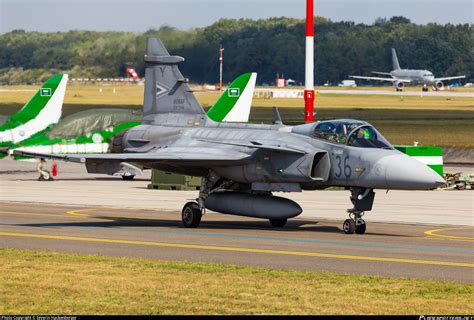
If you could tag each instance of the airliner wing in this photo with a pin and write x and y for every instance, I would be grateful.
(449, 78)
(380, 79)
(384, 73)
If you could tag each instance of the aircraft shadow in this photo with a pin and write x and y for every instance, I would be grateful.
(16, 172)
(86, 179)
(292, 225)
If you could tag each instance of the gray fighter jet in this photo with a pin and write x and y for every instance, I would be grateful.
(242, 164)
(401, 77)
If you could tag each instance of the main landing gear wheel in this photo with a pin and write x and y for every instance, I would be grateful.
(45, 176)
(349, 226)
(278, 223)
(128, 178)
(191, 215)
(360, 226)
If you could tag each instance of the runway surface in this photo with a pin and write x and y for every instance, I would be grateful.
(74, 186)
(409, 234)
(305, 244)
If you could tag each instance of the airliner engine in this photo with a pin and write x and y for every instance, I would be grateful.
(399, 85)
(438, 85)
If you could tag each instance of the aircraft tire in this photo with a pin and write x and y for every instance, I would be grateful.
(128, 178)
(349, 226)
(360, 229)
(191, 215)
(278, 223)
(461, 186)
(45, 177)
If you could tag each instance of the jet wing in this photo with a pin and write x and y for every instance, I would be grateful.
(257, 145)
(380, 79)
(197, 156)
(449, 78)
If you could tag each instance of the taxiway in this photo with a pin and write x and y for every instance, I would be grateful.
(410, 234)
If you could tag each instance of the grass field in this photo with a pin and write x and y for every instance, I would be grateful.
(133, 95)
(428, 120)
(52, 283)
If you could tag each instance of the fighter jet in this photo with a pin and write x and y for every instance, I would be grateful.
(241, 164)
(400, 77)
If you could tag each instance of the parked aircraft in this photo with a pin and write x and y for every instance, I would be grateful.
(401, 77)
(92, 131)
(43, 109)
(242, 164)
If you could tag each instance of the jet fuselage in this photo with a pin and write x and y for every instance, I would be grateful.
(288, 158)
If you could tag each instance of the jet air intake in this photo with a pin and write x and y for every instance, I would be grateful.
(252, 205)
(438, 85)
(399, 85)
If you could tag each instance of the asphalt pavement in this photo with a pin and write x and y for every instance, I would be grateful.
(426, 235)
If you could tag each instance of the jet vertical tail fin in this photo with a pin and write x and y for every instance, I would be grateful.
(235, 103)
(43, 109)
(396, 65)
(168, 98)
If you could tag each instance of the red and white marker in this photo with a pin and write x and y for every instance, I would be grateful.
(220, 67)
(131, 72)
(309, 65)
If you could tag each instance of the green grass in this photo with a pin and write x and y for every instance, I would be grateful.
(124, 94)
(52, 283)
(447, 128)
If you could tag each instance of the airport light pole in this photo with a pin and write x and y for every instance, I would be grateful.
(309, 64)
(220, 67)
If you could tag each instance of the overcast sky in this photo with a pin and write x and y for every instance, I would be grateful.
(140, 15)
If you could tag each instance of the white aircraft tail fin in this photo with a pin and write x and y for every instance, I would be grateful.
(43, 109)
(396, 65)
(235, 103)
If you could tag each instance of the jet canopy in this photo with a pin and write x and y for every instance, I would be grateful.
(353, 133)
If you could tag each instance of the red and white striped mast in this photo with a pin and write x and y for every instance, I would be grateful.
(220, 67)
(309, 65)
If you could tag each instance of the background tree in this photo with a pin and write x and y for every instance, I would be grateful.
(266, 46)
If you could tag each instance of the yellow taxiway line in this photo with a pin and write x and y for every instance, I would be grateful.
(82, 215)
(237, 249)
(434, 233)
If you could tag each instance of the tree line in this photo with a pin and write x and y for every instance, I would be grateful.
(268, 46)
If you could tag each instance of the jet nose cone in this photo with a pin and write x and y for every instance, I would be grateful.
(406, 173)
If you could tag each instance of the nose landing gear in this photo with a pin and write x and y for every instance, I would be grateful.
(362, 199)
(355, 223)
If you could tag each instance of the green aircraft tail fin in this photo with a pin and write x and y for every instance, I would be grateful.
(234, 104)
(43, 109)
